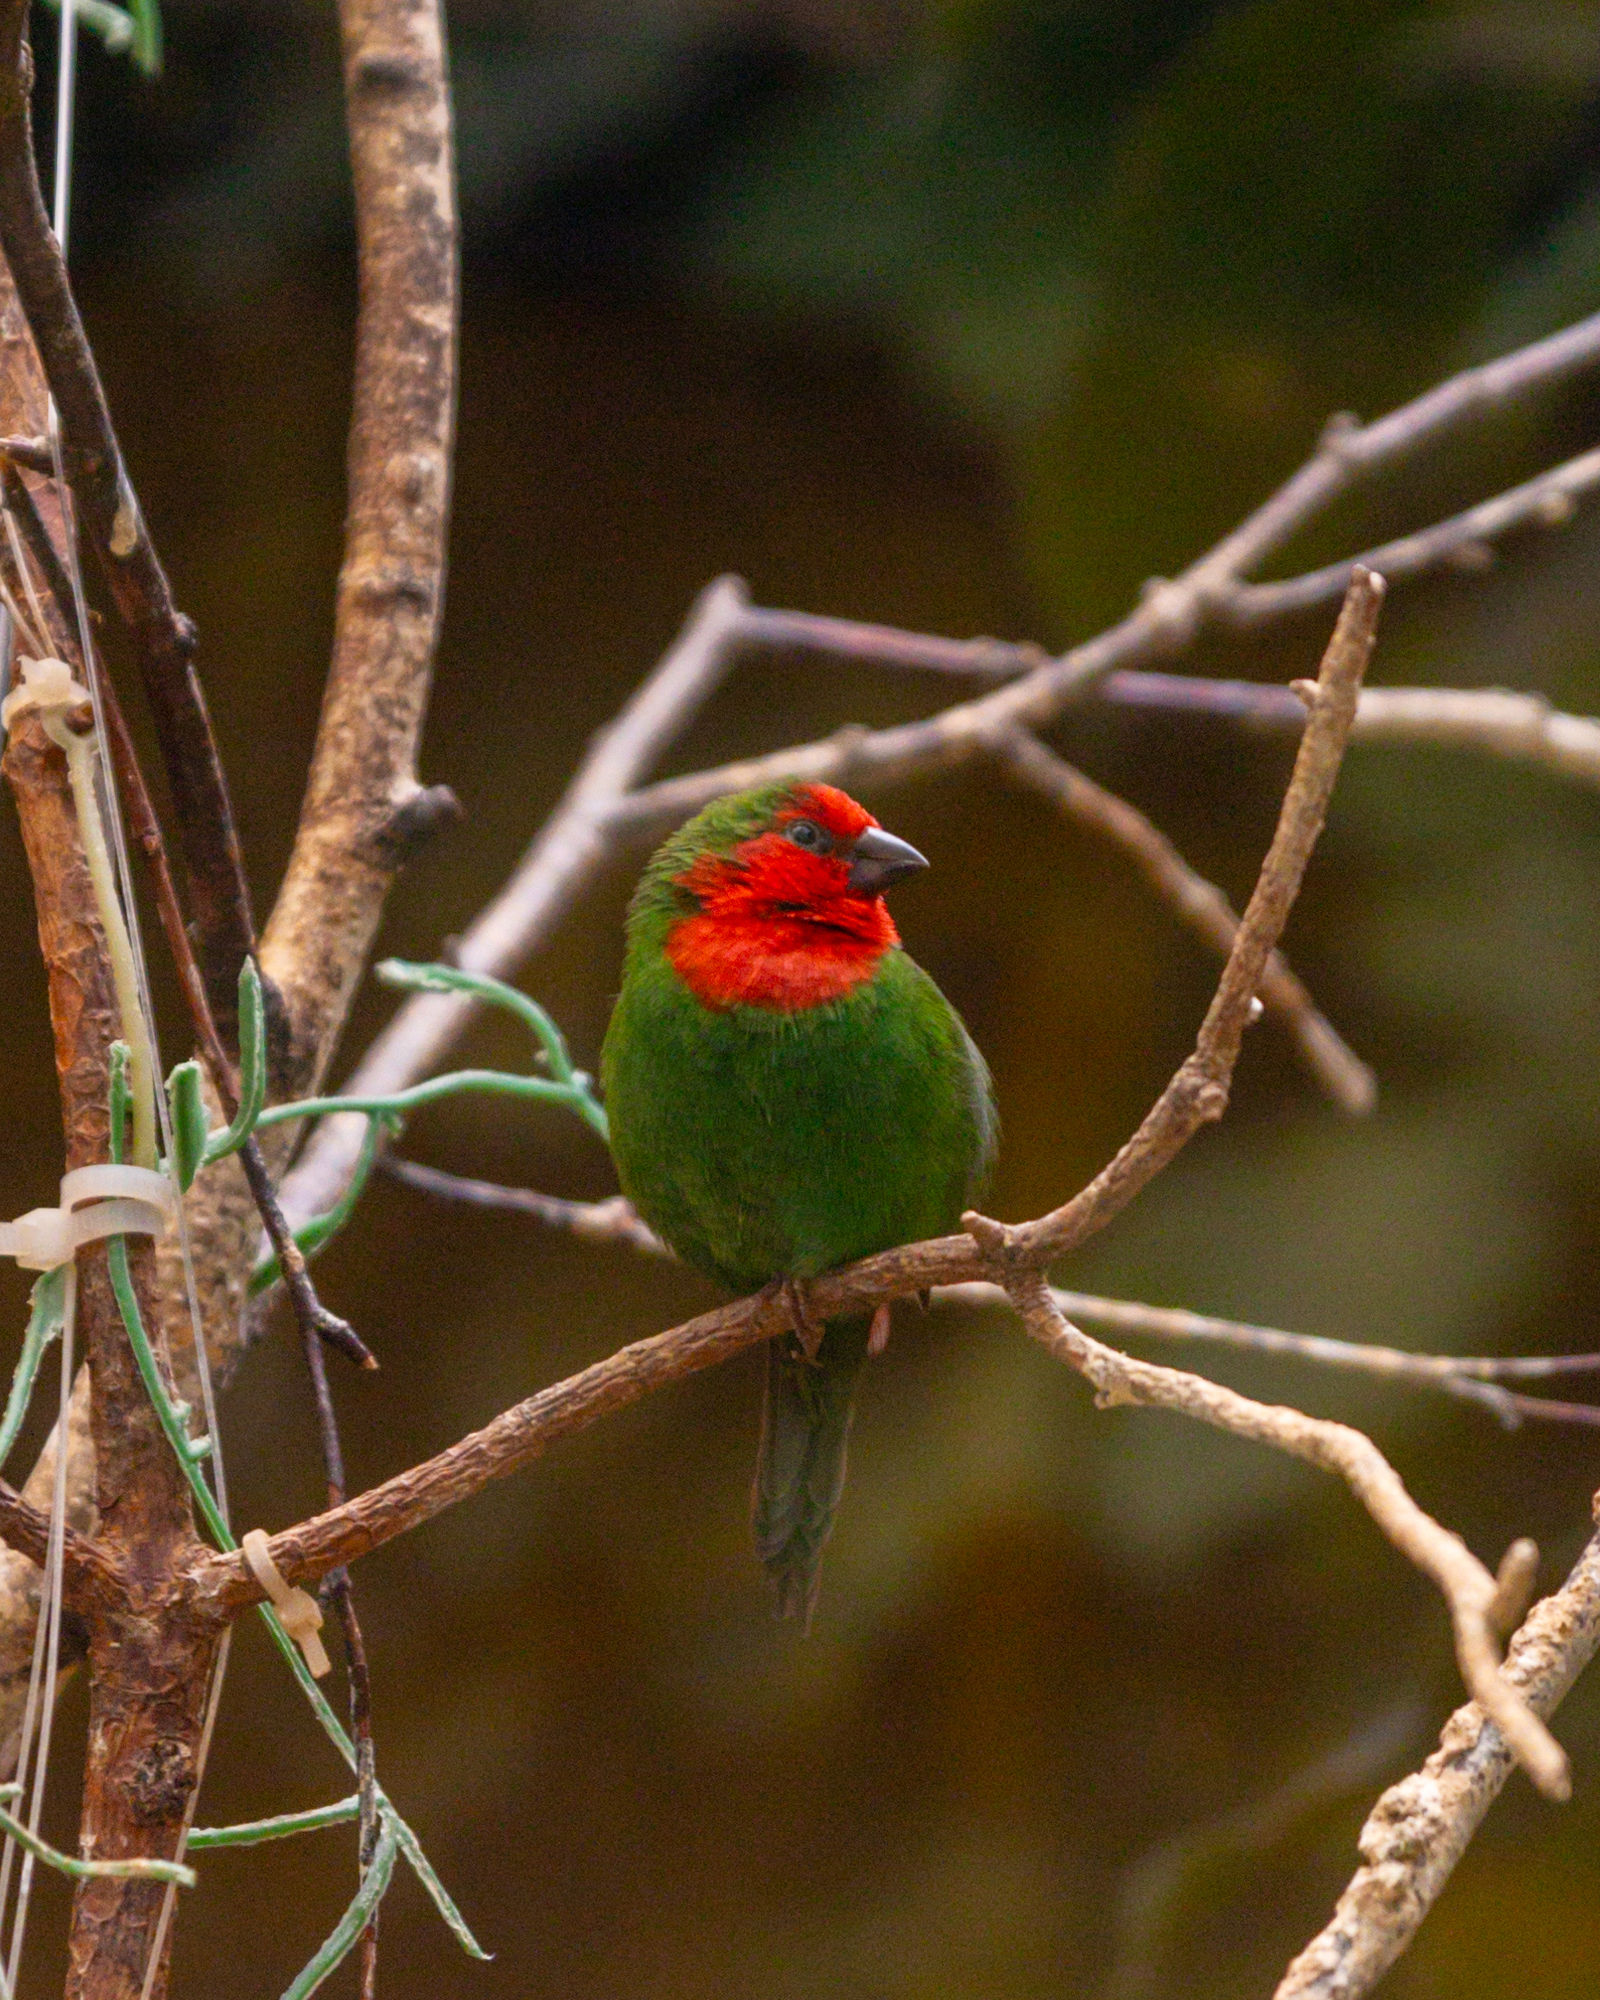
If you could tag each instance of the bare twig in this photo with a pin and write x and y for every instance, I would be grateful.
(1201, 904)
(1522, 728)
(1474, 1378)
(1198, 1093)
(337, 1588)
(611, 1221)
(1472, 1593)
(1466, 539)
(1419, 1829)
(164, 640)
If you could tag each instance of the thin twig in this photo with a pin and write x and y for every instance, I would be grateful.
(1474, 1378)
(1201, 905)
(337, 1589)
(1420, 1828)
(1198, 1093)
(313, 1316)
(611, 1221)
(1466, 539)
(1522, 728)
(163, 639)
(1471, 1592)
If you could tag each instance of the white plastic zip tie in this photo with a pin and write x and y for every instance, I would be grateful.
(298, 1611)
(127, 1201)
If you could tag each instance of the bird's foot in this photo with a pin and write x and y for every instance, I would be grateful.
(878, 1332)
(807, 1330)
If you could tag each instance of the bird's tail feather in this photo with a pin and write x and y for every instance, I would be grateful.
(805, 1426)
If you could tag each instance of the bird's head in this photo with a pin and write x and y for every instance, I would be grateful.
(776, 896)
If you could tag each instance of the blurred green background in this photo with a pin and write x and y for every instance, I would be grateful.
(965, 317)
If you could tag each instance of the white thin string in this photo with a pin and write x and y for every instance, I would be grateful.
(46, 1641)
(213, 1703)
(40, 627)
(46, 1659)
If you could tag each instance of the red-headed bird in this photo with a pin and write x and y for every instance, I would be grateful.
(788, 1091)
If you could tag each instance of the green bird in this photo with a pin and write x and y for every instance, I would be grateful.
(789, 1091)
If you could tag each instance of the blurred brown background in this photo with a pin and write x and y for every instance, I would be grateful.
(965, 317)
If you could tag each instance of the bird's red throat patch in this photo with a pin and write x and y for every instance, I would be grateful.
(778, 925)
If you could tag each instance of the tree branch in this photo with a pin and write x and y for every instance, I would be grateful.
(1201, 905)
(353, 830)
(1420, 1828)
(1476, 1599)
(1472, 1378)
(601, 810)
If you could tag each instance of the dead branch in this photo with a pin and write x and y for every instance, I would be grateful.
(1475, 1597)
(150, 1673)
(1523, 728)
(1420, 1828)
(1201, 905)
(1473, 1378)
(610, 1221)
(1198, 1093)
(1465, 540)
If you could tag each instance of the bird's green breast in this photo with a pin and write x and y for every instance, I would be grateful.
(765, 1144)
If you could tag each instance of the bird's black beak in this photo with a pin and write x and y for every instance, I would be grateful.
(879, 859)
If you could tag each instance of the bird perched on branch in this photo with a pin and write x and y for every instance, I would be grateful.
(788, 1091)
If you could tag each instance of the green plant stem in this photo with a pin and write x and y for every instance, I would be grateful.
(44, 1323)
(342, 1938)
(251, 1832)
(138, 1868)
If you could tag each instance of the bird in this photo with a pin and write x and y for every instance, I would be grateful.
(788, 1091)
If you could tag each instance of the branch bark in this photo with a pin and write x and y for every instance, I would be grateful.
(353, 829)
(150, 1668)
(1420, 1828)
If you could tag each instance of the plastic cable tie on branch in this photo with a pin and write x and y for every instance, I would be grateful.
(96, 1202)
(298, 1611)
(46, 684)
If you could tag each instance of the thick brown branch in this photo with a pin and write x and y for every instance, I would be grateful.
(1201, 905)
(1420, 1828)
(92, 1580)
(391, 586)
(150, 1672)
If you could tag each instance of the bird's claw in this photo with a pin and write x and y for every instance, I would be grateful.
(807, 1331)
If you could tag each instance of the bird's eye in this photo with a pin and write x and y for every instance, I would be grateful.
(807, 834)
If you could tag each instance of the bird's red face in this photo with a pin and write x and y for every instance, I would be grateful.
(795, 915)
